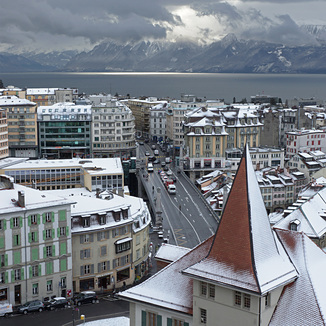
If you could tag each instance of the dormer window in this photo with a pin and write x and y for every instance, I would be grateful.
(102, 219)
(116, 215)
(294, 225)
(86, 221)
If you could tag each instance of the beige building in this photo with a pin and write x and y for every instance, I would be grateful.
(35, 244)
(110, 239)
(4, 148)
(22, 126)
(141, 109)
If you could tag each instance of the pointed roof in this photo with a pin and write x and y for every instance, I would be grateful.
(245, 253)
(302, 302)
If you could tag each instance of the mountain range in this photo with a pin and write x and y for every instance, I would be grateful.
(228, 55)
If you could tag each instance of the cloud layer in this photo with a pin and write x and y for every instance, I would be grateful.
(46, 25)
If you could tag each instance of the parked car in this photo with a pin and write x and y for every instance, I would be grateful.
(85, 297)
(55, 303)
(5, 308)
(35, 305)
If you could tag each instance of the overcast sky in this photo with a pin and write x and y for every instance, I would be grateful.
(46, 25)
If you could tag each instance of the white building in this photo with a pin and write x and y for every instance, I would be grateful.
(35, 244)
(157, 122)
(113, 132)
(305, 141)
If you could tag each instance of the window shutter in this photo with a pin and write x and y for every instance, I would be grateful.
(43, 234)
(81, 237)
(30, 272)
(38, 219)
(36, 236)
(143, 318)
(67, 230)
(58, 232)
(91, 237)
(39, 270)
(19, 240)
(169, 322)
(107, 234)
(5, 225)
(52, 213)
(53, 250)
(12, 276)
(53, 234)
(81, 270)
(92, 268)
(29, 220)
(44, 252)
(62, 215)
(43, 218)
(98, 236)
(108, 265)
(63, 265)
(6, 277)
(99, 268)
(2, 242)
(35, 254)
(6, 259)
(21, 221)
(29, 237)
(11, 222)
(159, 320)
(63, 248)
(22, 273)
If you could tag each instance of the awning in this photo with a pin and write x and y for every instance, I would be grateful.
(123, 267)
(123, 240)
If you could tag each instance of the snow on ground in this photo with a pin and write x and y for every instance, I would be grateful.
(118, 321)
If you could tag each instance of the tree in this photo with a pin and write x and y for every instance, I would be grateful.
(1, 84)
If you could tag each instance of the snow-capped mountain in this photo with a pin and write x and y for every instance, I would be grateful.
(229, 55)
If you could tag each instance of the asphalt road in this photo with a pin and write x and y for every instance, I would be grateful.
(186, 219)
(64, 317)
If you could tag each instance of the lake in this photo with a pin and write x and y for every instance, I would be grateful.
(172, 85)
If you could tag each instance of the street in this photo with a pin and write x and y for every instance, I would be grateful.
(63, 317)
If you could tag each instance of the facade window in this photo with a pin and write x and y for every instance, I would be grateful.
(86, 222)
(203, 289)
(86, 253)
(35, 288)
(102, 219)
(237, 298)
(15, 222)
(48, 251)
(35, 271)
(17, 274)
(103, 250)
(122, 247)
(62, 231)
(49, 286)
(1, 224)
(33, 236)
(48, 234)
(211, 291)
(203, 316)
(16, 240)
(267, 300)
(34, 219)
(2, 277)
(247, 301)
(48, 217)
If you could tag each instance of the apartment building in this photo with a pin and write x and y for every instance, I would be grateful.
(305, 141)
(110, 239)
(113, 132)
(35, 244)
(22, 126)
(93, 174)
(4, 148)
(267, 157)
(141, 110)
(64, 130)
(50, 96)
(158, 122)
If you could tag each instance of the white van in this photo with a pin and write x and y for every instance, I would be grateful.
(150, 167)
(172, 190)
(156, 152)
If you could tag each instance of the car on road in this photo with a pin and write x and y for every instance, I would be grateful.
(85, 297)
(55, 303)
(5, 308)
(153, 147)
(141, 143)
(157, 161)
(163, 163)
(169, 172)
(35, 305)
(147, 153)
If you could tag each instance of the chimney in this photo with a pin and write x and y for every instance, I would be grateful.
(21, 198)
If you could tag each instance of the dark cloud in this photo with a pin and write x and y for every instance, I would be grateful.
(83, 23)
